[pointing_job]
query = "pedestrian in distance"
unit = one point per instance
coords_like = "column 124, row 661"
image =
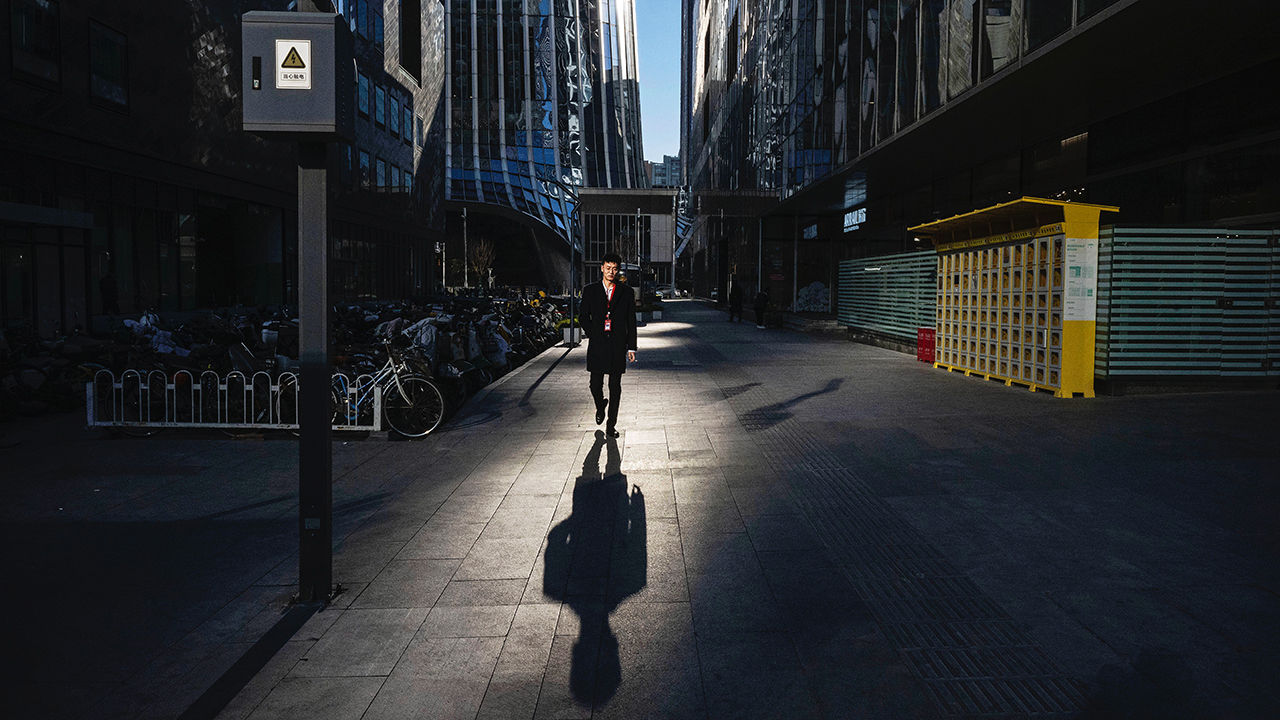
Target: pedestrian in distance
column 735, row 301
column 110, row 294
column 761, row 305
column 609, row 323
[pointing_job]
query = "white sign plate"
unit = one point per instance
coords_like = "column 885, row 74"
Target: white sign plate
column 293, row 64
column 1081, row 283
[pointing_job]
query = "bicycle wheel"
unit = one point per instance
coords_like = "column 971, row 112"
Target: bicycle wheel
column 414, row 407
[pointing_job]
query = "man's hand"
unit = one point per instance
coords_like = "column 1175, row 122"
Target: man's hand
column 631, row 356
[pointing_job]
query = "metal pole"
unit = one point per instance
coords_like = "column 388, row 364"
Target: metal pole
column 573, row 275
column 315, row 452
column 760, row 255
column 573, row 278
column 465, row 282
column 795, row 263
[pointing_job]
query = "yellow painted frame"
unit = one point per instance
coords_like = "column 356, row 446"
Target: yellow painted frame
column 1028, row 219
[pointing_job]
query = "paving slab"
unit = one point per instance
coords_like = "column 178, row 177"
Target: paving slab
column 789, row 526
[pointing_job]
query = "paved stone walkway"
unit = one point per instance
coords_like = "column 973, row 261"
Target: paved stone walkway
column 789, row 527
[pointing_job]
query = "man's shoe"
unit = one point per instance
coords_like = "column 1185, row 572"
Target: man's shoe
column 612, row 432
column 600, row 412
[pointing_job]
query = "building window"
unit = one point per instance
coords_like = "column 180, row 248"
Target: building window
column 108, row 66
column 35, row 41
column 380, row 106
column 393, row 115
column 382, row 174
column 346, row 169
column 362, row 95
column 365, row 178
column 411, row 38
column 421, row 135
column 1089, row 7
column 406, row 122
column 395, row 178
column 1045, row 20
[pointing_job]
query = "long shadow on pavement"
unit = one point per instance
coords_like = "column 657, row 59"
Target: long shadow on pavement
column 596, row 558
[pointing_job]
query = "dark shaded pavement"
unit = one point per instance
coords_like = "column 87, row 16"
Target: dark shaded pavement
column 789, row 527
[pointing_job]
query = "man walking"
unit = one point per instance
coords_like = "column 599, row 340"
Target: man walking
column 735, row 299
column 609, row 322
column 761, row 305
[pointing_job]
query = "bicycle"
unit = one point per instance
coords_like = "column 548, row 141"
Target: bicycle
column 412, row 403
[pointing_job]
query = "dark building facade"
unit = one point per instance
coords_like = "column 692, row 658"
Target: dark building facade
column 128, row 184
column 543, row 99
column 865, row 117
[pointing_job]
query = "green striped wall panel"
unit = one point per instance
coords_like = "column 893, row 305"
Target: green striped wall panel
column 1189, row 302
column 891, row 295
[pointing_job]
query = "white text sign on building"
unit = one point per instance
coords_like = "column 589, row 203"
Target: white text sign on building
column 854, row 218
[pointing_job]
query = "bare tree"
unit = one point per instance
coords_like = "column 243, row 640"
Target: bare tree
column 624, row 244
column 483, row 253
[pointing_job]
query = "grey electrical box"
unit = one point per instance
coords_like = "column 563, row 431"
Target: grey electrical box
column 299, row 76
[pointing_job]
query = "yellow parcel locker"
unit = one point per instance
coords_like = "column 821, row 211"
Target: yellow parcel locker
column 1051, row 248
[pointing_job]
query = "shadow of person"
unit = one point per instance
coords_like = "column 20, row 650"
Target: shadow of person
column 595, row 559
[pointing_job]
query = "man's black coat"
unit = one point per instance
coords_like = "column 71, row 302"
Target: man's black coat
column 607, row 352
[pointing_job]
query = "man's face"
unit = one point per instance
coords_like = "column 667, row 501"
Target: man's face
column 610, row 271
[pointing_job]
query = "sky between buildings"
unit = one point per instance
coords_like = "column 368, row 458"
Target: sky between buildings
column 658, row 48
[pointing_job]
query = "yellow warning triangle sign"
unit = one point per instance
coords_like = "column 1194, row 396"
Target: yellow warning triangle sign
column 293, row 60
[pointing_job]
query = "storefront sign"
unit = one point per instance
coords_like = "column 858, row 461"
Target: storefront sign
column 854, row 219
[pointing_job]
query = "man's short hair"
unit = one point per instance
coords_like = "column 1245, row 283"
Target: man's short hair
column 612, row 257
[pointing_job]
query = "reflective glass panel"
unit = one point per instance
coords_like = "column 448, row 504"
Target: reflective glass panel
column 1089, row 7
column 1045, row 20
column 108, row 67
column 932, row 81
column 908, row 52
column 961, row 37
column 888, row 65
column 1002, row 39
column 36, row 40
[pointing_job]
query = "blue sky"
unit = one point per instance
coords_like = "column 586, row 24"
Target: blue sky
column 658, row 47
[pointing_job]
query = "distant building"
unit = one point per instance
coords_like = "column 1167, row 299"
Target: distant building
column 667, row 172
column 639, row 225
column 127, row 183
column 542, row 99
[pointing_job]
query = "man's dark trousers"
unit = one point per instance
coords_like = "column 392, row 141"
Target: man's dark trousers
column 615, row 394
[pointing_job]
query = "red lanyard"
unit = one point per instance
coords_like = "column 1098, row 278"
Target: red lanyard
column 608, row 308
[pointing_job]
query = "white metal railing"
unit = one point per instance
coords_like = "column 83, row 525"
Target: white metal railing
column 155, row 399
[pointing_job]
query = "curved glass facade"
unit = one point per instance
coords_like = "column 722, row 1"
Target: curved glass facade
column 542, row 94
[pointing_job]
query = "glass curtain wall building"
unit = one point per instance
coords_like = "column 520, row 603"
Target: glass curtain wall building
column 128, row 184
column 542, row 95
column 785, row 91
column 894, row 112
